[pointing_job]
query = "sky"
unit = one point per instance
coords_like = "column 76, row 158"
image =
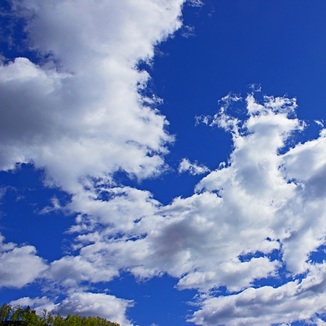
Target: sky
column 163, row 162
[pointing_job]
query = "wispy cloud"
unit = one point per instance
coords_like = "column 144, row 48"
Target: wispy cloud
column 195, row 3
column 193, row 168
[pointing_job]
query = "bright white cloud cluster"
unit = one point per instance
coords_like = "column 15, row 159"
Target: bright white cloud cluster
column 19, row 265
column 79, row 112
column 82, row 304
column 267, row 305
column 267, row 201
column 275, row 197
column 95, row 304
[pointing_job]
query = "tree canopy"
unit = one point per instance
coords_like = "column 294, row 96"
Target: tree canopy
column 17, row 315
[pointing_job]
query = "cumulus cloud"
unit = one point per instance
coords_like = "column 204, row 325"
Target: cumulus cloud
column 82, row 304
column 247, row 220
column 79, row 109
column 81, row 101
column 38, row 304
column 267, row 305
column 193, row 168
column 20, row 265
column 78, row 113
column 95, row 304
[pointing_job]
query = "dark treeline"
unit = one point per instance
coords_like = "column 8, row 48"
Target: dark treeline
column 12, row 316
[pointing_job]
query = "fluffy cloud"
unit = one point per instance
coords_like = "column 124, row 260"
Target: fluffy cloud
column 82, row 304
column 19, row 265
column 75, row 108
column 78, row 112
column 267, row 305
column 193, row 168
column 81, row 102
column 255, row 207
column 95, row 304
column 38, row 304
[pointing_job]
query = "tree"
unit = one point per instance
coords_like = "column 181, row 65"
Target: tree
column 5, row 311
column 26, row 316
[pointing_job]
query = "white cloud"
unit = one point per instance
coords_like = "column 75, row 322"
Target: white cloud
column 83, row 104
column 19, row 265
column 193, row 168
column 93, row 265
column 95, row 304
column 320, row 123
column 267, row 305
column 195, row 3
column 55, row 206
column 80, row 116
column 256, row 204
column 82, row 304
column 188, row 31
column 78, row 113
column 38, row 304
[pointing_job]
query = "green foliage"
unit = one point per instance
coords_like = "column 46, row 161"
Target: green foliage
column 26, row 316
column 5, row 311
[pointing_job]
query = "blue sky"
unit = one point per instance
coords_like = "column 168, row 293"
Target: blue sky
column 164, row 162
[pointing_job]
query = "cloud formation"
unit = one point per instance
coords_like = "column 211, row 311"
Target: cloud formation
column 80, row 115
column 273, row 193
column 20, row 265
column 193, row 168
column 82, row 304
column 78, row 108
column 267, row 305
column 95, row 304
column 81, row 101
column 249, row 220
column 196, row 3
